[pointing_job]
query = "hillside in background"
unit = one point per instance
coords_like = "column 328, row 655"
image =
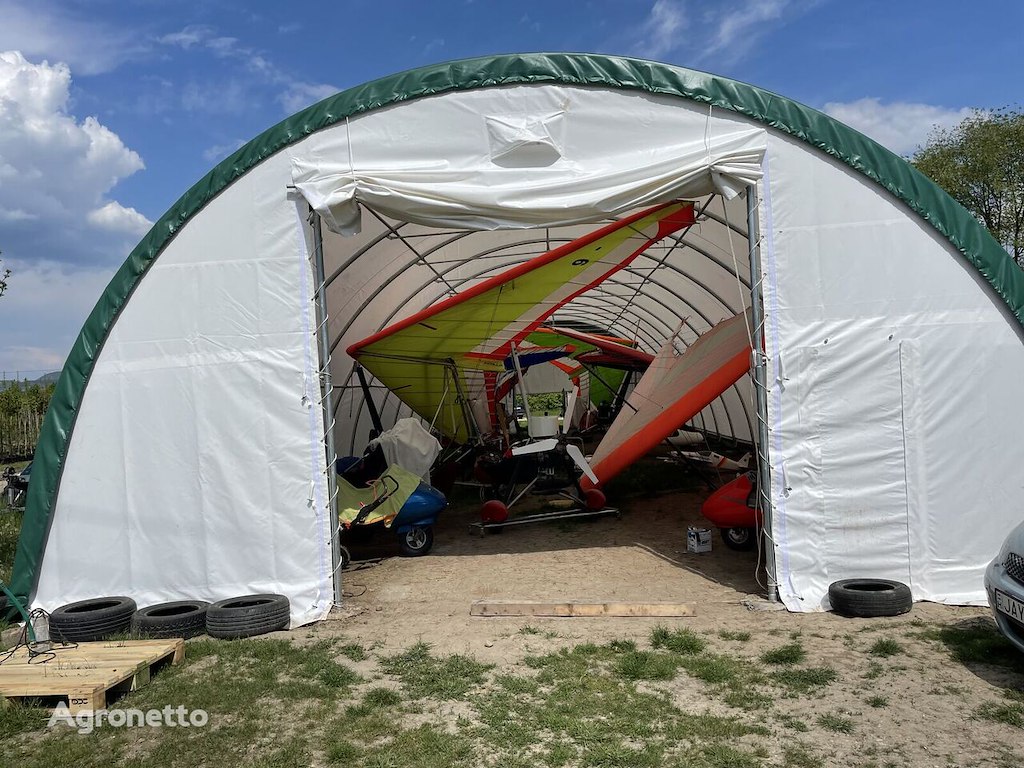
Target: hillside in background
column 46, row 378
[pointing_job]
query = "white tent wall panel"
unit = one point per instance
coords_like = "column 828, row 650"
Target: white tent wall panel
column 190, row 469
column 881, row 448
column 963, row 479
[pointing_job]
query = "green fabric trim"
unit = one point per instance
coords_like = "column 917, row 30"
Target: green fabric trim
column 846, row 145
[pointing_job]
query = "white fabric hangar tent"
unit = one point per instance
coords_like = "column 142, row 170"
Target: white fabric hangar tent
column 183, row 454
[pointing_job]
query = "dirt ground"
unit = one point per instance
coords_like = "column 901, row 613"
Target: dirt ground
column 930, row 716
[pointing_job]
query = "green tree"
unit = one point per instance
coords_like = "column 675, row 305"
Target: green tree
column 12, row 400
column 980, row 162
column 4, row 274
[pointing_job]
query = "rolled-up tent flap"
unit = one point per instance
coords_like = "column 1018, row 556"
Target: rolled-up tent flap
column 674, row 390
column 488, row 183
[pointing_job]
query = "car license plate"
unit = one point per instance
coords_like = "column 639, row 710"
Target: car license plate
column 1010, row 606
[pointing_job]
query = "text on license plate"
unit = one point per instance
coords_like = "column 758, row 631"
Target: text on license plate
column 1010, row 606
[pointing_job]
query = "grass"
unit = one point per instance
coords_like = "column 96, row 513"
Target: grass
column 683, row 641
column 1006, row 714
column 799, row 756
column 885, row 647
column 835, row 723
column 583, row 707
column 646, row 665
column 737, row 681
column 427, row 676
column 874, row 671
column 805, row 681
column 977, row 642
column 793, row 653
column 353, row 651
column 740, row 637
column 878, row 702
column 793, row 723
column 590, row 705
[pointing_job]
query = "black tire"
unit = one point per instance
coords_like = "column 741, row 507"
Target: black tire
column 868, row 598
column 94, row 619
column 345, row 559
column 182, row 618
column 417, row 541
column 739, row 539
column 247, row 616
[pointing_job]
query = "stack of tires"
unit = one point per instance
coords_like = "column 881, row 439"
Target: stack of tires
column 104, row 617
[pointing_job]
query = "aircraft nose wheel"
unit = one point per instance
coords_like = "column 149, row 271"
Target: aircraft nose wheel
column 740, row 539
column 416, row 541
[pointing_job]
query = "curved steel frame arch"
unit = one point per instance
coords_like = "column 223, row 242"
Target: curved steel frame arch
column 678, row 241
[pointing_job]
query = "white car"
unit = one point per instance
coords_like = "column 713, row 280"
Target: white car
column 1004, row 584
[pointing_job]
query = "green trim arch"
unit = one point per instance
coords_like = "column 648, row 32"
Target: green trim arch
column 842, row 143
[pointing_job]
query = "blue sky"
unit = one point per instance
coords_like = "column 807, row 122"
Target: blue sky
column 109, row 111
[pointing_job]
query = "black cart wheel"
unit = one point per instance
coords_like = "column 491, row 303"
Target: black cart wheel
column 94, row 619
column 416, row 541
column 247, row 616
column 740, row 539
column 869, row 597
column 345, row 558
column 182, row 618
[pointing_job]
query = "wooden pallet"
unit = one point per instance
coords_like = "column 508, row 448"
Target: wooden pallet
column 86, row 674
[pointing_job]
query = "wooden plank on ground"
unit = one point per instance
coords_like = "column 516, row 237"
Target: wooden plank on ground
column 574, row 608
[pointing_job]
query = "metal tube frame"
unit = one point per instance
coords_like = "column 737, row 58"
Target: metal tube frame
column 764, row 500
column 327, row 400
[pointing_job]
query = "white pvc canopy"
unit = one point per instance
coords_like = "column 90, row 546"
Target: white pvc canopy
column 196, row 466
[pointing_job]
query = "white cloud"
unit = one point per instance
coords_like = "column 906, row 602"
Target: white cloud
column 202, row 37
column 41, row 30
column 193, row 34
column 436, row 44
column 740, row 26
column 115, row 217
column 724, row 31
column 661, row 30
column 59, row 171
column 300, row 95
column 215, row 97
column 218, row 152
column 61, row 234
column 16, row 214
column 43, row 310
column 899, row 126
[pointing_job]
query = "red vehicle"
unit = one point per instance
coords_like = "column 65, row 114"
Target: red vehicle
column 733, row 510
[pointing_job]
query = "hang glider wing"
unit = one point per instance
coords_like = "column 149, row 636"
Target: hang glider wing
column 607, row 350
column 435, row 360
column 674, row 390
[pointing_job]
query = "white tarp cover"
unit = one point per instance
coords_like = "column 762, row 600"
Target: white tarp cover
column 410, row 446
